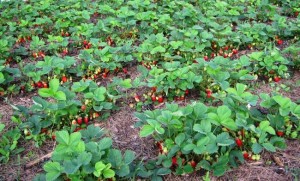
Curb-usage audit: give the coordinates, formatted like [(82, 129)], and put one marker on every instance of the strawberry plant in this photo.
[(87, 155), (9, 143)]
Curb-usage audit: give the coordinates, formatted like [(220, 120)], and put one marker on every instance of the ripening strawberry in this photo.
[(193, 164), (64, 79), (234, 51), (246, 155), (280, 133), (39, 84), (238, 142), (96, 115), (83, 107), (79, 120), (137, 98), (53, 136), (174, 161), (153, 98), (186, 92), (85, 42), (160, 99), (279, 42), (104, 75), (153, 89), (86, 120), (296, 14), (205, 58), (35, 55), (45, 85), (277, 79)]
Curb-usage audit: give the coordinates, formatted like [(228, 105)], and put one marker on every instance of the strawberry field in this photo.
[(150, 90)]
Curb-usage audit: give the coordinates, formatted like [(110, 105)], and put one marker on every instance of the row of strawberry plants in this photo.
[(174, 80), (199, 137)]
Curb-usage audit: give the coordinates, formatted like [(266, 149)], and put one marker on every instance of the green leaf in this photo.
[(180, 138), (105, 143), (99, 166), (129, 157), (189, 147), (158, 49), (60, 95), (126, 83), (54, 85), (123, 171), (115, 158), (269, 147), (109, 173), (53, 170), (84, 158), (223, 139), (45, 92), (62, 137), (163, 171), (146, 130), (99, 94), (256, 148)]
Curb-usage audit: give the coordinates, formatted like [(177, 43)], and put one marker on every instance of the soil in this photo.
[(120, 126)]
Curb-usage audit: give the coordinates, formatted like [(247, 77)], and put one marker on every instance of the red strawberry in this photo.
[(280, 133), (187, 92), (160, 99), (153, 98), (277, 79), (86, 119), (79, 120), (234, 51), (296, 14), (246, 155), (174, 161), (64, 79), (193, 164), (137, 98), (153, 89), (53, 136), (206, 58), (65, 51), (85, 42), (125, 71), (208, 95), (212, 55), (279, 42), (226, 48), (104, 75), (238, 142), (41, 54), (39, 84), (44, 130)]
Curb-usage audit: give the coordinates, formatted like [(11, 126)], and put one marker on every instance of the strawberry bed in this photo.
[(96, 90)]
